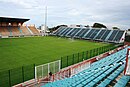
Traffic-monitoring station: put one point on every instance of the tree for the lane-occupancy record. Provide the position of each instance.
(128, 29)
(116, 28)
(98, 25)
(87, 26)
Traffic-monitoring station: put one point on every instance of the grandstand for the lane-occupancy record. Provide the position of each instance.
(4, 31)
(107, 72)
(25, 30)
(104, 35)
(34, 30)
(14, 27)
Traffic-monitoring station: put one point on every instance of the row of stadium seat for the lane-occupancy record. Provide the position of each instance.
(123, 81)
(92, 34)
(4, 31)
(100, 73)
(18, 31)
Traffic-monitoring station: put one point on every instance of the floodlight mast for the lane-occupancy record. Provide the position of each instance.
(45, 21)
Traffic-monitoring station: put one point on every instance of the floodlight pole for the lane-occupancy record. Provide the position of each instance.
(45, 19)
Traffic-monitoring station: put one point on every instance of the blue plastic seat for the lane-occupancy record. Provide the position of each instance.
(122, 81)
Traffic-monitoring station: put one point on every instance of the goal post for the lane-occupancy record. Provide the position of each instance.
(42, 71)
(127, 65)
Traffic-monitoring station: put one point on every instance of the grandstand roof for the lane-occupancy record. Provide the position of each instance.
(7, 19)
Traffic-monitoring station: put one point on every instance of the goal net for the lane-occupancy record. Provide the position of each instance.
(43, 71)
(127, 66)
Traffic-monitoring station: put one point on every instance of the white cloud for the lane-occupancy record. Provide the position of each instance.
(109, 12)
(23, 3)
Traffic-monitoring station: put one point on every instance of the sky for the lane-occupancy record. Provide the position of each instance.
(85, 12)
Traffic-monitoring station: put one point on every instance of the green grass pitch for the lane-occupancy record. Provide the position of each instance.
(15, 52)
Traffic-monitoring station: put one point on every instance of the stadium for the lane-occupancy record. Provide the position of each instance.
(67, 57)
